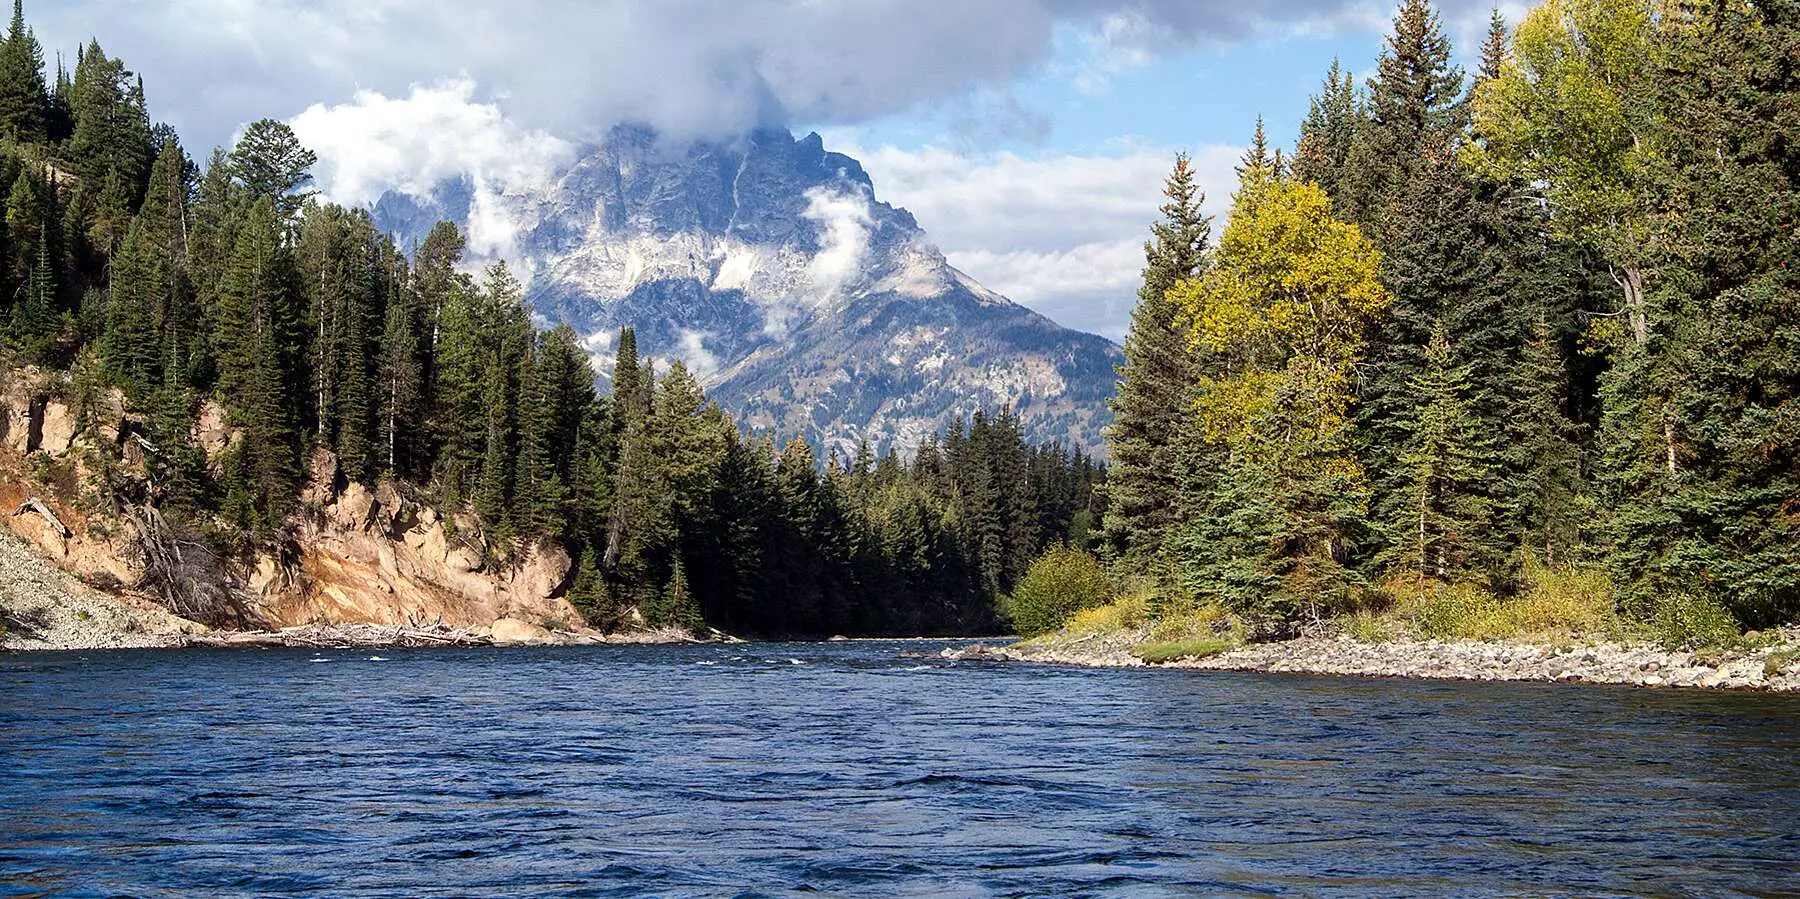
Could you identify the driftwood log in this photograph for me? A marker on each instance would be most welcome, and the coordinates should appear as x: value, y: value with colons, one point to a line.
x: 34, y: 504
x: 346, y: 637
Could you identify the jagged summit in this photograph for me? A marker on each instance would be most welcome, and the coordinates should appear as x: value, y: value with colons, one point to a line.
x: 768, y: 265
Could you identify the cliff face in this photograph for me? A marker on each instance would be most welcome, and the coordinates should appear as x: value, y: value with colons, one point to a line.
x: 353, y: 554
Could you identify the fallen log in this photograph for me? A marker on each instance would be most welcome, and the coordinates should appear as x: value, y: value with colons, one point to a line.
x: 33, y: 504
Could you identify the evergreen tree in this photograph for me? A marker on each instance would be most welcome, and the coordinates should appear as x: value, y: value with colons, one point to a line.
x: 1329, y: 133
x: 401, y: 387
x: 1441, y: 527
x: 1415, y: 110
x: 24, y: 99
x: 1157, y: 380
x: 271, y: 164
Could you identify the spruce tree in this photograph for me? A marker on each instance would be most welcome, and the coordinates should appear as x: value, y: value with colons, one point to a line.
x: 1157, y: 379
x: 1415, y: 110
x: 24, y: 99
x: 1440, y: 527
x: 1329, y: 133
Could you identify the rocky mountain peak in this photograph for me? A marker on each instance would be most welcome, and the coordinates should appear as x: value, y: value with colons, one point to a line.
x: 770, y: 267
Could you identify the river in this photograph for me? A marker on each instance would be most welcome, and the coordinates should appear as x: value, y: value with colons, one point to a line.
x: 770, y: 769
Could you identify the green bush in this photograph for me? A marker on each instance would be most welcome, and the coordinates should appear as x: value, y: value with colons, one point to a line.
x: 1162, y: 653
x: 1457, y: 611
x: 1684, y: 621
x: 1060, y: 583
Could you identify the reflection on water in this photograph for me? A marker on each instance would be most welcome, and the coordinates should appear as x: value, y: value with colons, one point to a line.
x: 850, y: 768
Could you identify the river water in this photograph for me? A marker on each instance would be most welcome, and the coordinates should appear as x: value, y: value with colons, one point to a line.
x: 771, y: 769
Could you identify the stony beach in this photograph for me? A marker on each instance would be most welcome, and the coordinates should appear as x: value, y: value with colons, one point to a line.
x: 1774, y: 668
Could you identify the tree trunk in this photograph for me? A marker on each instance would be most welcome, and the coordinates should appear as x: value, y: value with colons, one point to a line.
x: 1631, y: 280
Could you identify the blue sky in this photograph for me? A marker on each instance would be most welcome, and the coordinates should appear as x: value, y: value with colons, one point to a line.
x: 1029, y: 137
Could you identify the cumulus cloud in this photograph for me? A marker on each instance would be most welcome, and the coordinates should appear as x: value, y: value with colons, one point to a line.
x: 1062, y: 233
x: 572, y: 67
x: 700, y: 361
x: 411, y: 143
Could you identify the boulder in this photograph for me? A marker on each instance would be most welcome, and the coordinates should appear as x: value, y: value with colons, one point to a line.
x: 18, y: 415
x: 544, y: 571
x: 321, y: 478
x: 462, y: 560
x: 212, y: 430
x: 355, y: 507
x: 393, y: 514
x: 57, y: 430
x: 513, y: 632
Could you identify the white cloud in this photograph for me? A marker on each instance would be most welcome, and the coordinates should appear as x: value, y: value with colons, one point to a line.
x: 573, y: 67
x: 412, y: 143
x: 844, y: 246
x: 1061, y: 233
x: 700, y: 361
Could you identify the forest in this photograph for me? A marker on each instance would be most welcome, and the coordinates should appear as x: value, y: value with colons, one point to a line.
x: 129, y: 265
x: 1480, y: 330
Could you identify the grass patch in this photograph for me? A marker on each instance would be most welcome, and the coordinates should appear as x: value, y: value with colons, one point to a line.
x: 1163, y: 653
x: 1779, y: 661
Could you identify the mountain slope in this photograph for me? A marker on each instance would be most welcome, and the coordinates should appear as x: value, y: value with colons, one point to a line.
x: 768, y: 265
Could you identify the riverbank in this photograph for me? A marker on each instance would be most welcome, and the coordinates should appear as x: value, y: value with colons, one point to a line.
x: 1774, y: 668
x: 44, y: 608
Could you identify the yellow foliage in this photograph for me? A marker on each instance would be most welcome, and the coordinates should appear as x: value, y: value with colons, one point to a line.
x: 1560, y: 603
x: 1121, y: 614
x: 1190, y: 622
x: 1285, y: 310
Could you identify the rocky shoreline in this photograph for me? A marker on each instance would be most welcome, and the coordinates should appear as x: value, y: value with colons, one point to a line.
x: 1772, y: 669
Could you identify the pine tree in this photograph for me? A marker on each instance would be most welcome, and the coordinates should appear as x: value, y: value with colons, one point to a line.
x: 1547, y: 480
x: 24, y: 100
x: 1441, y: 529
x: 1156, y: 382
x: 1415, y: 110
x: 270, y: 163
x: 132, y: 345
x: 1328, y: 135
x: 401, y: 388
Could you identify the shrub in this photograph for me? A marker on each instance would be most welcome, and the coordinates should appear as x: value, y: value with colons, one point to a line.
x: 1454, y: 611
x: 1060, y: 583
x: 1121, y: 614
x: 1685, y: 621
x: 1161, y: 653
x: 1559, y: 601
x: 1366, y: 626
x: 1190, y: 621
x: 1777, y: 662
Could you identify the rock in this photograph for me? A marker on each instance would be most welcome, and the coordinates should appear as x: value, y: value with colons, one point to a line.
x: 212, y: 430
x: 393, y: 514
x: 1653, y: 681
x: 355, y: 507
x: 513, y: 632
x: 57, y: 429
x: 544, y: 571
x: 321, y: 477
x: 16, y: 407
x: 462, y: 560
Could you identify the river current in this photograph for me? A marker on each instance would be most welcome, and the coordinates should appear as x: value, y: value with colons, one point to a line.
x: 862, y: 768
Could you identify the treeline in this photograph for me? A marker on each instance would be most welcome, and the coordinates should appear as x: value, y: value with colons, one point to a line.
x: 1547, y: 313
x: 132, y: 266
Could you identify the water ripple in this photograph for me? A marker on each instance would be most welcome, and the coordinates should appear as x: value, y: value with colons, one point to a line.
x: 848, y: 768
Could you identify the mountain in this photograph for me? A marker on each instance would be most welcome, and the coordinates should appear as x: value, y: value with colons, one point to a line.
x: 767, y: 264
